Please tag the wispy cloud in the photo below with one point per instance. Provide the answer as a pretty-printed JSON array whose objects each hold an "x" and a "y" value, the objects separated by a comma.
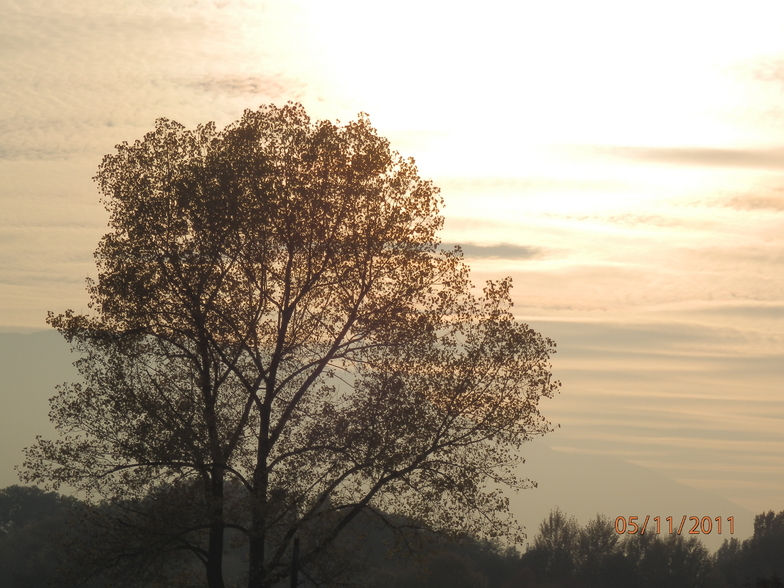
[
  {"x": 745, "y": 310},
  {"x": 768, "y": 69},
  {"x": 757, "y": 203},
  {"x": 499, "y": 251},
  {"x": 693, "y": 156},
  {"x": 517, "y": 185},
  {"x": 76, "y": 79},
  {"x": 271, "y": 87}
]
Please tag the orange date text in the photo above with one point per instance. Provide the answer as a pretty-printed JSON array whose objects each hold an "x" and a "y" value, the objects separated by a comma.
[{"x": 686, "y": 525}]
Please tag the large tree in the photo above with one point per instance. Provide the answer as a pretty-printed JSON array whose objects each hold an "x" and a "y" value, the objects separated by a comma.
[{"x": 276, "y": 341}]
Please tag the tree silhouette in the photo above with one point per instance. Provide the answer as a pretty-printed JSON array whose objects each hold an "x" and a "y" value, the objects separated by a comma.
[
  {"x": 272, "y": 315},
  {"x": 555, "y": 547},
  {"x": 757, "y": 561},
  {"x": 33, "y": 530},
  {"x": 597, "y": 554},
  {"x": 763, "y": 551}
]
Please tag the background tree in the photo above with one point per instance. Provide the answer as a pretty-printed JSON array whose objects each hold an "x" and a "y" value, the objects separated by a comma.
[
  {"x": 30, "y": 522},
  {"x": 758, "y": 559},
  {"x": 670, "y": 560},
  {"x": 272, "y": 315},
  {"x": 763, "y": 551},
  {"x": 595, "y": 556},
  {"x": 727, "y": 563},
  {"x": 37, "y": 538},
  {"x": 555, "y": 550},
  {"x": 600, "y": 562}
]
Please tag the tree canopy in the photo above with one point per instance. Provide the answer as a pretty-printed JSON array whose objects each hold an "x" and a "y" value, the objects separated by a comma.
[{"x": 276, "y": 344}]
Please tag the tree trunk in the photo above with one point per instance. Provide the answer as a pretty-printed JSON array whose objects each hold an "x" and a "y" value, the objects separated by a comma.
[
  {"x": 216, "y": 537},
  {"x": 257, "y": 571}
]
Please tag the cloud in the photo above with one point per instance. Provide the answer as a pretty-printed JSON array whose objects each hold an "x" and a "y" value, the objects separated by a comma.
[
  {"x": 537, "y": 184},
  {"x": 272, "y": 87},
  {"x": 500, "y": 251},
  {"x": 769, "y": 69},
  {"x": 668, "y": 336},
  {"x": 77, "y": 80},
  {"x": 692, "y": 156},
  {"x": 758, "y": 310},
  {"x": 70, "y": 77},
  {"x": 649, "y": 220},
  {"x": 757, "y": 203},
  {"x": 766, "y": 194}
]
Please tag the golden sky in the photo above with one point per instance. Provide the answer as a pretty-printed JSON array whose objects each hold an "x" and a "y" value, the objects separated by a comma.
[{"x": 622, "y": 161}]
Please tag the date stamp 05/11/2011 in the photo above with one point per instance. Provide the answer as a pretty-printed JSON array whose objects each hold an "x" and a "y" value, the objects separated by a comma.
[{"x": 696, "y": 526}]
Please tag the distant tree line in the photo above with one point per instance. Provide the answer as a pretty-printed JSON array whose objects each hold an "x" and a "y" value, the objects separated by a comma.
[
  {"x": 563, "y": 555},
  {"x": 52, "y": 540}
]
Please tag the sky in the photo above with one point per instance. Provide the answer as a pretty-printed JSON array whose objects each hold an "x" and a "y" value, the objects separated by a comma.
[{"x": 622, "y": 161}]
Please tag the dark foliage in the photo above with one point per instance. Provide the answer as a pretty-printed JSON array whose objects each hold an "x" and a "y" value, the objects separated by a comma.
[
  {"x": 757, "y": 561},
  {"x": 45, "y": 537},
  {"x": 37, "y": 537}
]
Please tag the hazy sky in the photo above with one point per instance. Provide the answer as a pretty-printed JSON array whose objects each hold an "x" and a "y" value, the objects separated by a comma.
[{"x": 622, "y": 161}]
